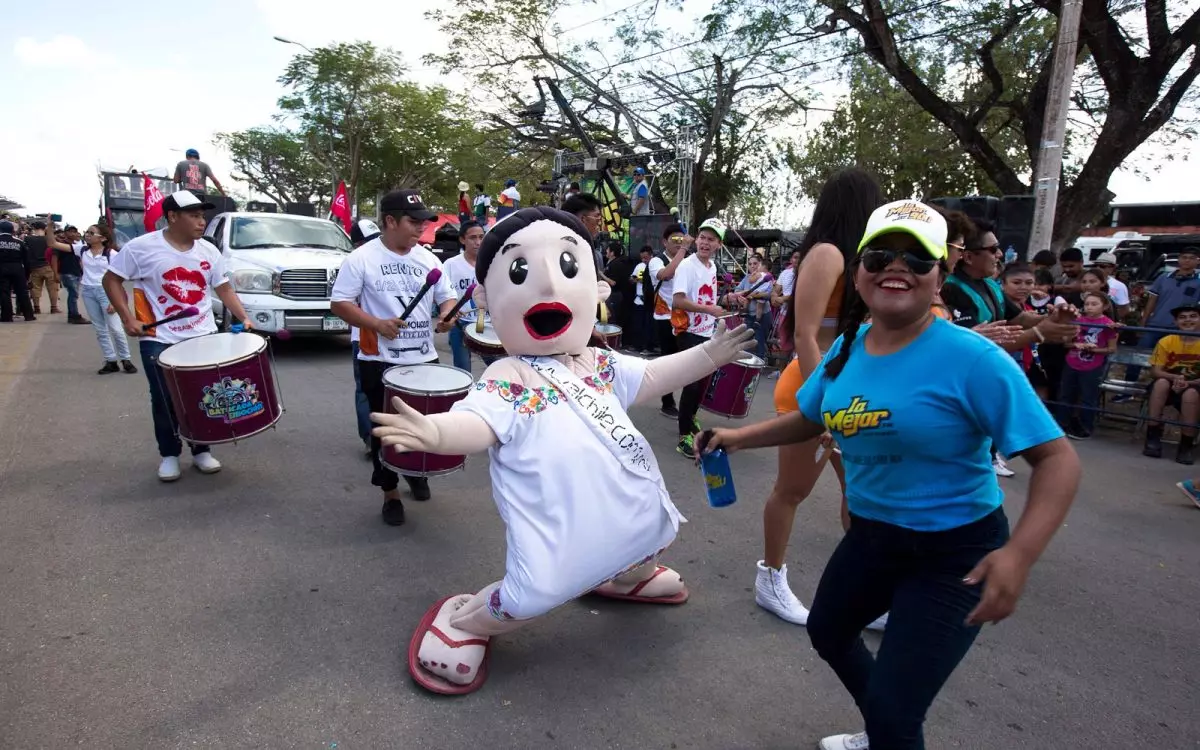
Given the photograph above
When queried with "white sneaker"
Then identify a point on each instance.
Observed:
(772, 593)
(168, 469)
(845, 742)
(879, 624)
(1001, 468)
(206, 463)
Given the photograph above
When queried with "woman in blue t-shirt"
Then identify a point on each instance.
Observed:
(914, 403)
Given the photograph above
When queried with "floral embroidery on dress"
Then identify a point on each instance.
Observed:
(602, 381)
(495, 608)
(525, 400)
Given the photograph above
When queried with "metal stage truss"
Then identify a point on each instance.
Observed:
(682, 157)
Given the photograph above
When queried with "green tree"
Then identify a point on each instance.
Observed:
(277, 163)
(628, 98)
(879, 127)
(982, 67)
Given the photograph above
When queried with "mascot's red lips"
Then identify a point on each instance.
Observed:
(546, 320)
(184, 285)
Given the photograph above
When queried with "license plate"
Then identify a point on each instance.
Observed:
(331, 323)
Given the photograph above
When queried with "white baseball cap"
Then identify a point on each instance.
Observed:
(185, 200)
(1106, 259)
(913, 218)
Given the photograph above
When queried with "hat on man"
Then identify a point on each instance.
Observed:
(1190, 250)
(182, 200)
(509, 182)
(923, 223)
(1105, 259)
(363, 231)
(192, 154)
(714, 225)
(6, 227)
(639, 170)
(407, 202)
(1188, 307)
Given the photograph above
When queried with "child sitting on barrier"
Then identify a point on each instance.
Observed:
(1175, 366)
(1084, 372)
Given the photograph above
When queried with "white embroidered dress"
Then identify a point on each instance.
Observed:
(577, 485)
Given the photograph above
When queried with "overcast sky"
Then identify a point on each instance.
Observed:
(137, 83)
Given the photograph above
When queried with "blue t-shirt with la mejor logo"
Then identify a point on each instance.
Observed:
(916, 426)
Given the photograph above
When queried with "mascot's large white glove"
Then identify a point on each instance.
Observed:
(728, 345)
(668, 374)
(453, 433)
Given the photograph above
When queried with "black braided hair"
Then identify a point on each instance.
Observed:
(856, 313)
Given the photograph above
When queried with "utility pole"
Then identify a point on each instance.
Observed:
(1054, 126)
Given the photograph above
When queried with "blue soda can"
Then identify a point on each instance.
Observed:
(718, 479)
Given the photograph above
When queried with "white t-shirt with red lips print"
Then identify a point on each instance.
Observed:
(167, 280)
(699, 283)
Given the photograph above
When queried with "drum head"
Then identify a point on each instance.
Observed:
(488, 337)
(427, 379)
(607, 329)
(213, 349)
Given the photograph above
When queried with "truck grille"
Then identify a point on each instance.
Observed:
(304, 283)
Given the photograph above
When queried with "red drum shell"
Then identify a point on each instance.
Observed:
(222, 387)
(730, 390)
(430, 389)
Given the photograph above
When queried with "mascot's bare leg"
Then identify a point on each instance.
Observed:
(649, 582)
(449, 650)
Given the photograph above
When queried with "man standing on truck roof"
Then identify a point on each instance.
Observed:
(193, 174)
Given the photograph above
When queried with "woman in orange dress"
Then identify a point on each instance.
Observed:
(813, 318)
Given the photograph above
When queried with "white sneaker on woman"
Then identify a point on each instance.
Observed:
(206, 463)
(845, 742)
(880, 624)
(772, 593)
(1001, 467)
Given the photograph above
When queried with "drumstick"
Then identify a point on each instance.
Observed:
(465, 299)
(186, 312)
(433, 277)
(603, 314)
(479, 320)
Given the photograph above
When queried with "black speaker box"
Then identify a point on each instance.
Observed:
(1015, 224)
(647, 230)
(262, 207)
(300, 209)
(221, 204)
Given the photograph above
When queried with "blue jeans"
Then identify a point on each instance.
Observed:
(1082, 388)
(917, 577)
(762, 328)
(71, 283)
(458, 347)
(1145, 341)
(108, 332)
(166, 426)
(362, 409)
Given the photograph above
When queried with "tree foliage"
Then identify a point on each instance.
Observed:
(983, 71)
(627, 94)
(278, 164)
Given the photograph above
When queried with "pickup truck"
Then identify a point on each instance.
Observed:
(282, 268)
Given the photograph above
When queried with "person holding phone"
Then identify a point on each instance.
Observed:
(914, 402)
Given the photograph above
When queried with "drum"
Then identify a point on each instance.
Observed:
(222, 387)
(485, 344)
(610, 333)
(430, 389)
(730, 390)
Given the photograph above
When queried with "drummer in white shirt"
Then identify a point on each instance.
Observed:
(461, 270)
(172, 269)
(374, 285)
(361, 232)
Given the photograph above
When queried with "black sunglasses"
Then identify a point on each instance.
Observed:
(875, 260)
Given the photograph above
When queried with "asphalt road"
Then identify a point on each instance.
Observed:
(268, 606)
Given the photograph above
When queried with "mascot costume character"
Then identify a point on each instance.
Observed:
(577, 485)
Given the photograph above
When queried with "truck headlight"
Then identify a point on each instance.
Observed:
(252, 281)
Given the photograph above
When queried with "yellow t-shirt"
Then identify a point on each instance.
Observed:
(1178, 356)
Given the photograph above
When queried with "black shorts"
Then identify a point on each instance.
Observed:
(1174, 397)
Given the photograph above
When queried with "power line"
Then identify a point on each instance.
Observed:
(602, 18)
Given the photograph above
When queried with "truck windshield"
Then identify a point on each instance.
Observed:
(276, 231)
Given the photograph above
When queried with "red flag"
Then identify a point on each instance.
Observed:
(154, 209)
(341, 206)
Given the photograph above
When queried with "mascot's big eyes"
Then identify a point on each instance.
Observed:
(518, 271)
(568, 264)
